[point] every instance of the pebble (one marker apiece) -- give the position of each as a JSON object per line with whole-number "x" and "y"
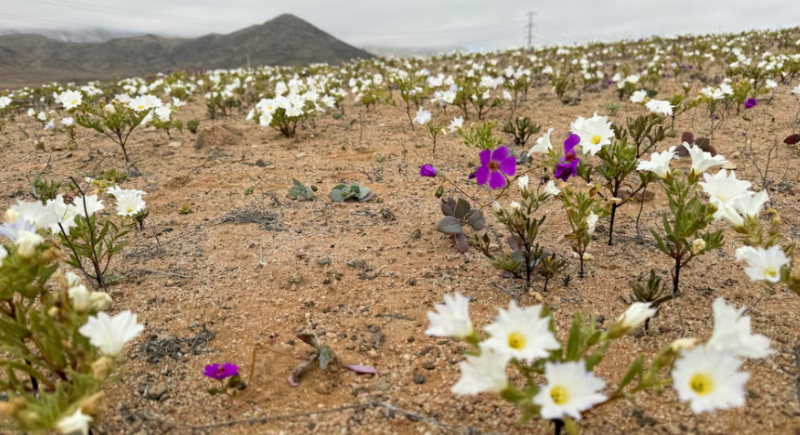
{"x": 419, "y": 379}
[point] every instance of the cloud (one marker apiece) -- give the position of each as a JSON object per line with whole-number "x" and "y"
{"x": 412, "y": 23}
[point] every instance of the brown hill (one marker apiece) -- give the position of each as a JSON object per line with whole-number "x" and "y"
{"x": 27, "y": 59}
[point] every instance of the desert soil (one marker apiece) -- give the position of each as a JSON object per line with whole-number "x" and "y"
{"x": 364, "y": 275}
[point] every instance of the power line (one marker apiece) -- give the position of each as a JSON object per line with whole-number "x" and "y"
{"x": 530, "y": 28}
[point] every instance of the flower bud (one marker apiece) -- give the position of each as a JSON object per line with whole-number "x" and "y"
{"x": 440, "y": 191}
{"x": 497, "y": 207}
{"x": 616, "y": 201}
{"x": 109, "y": 109}
{"x": 683, "y": 344}
{"x": 100, "y": 301}
{"x": 634, "y": 316}
{"x": 102, "y": 368}
{"x": 27, "y": 242}
{"x": 11, "y": 216}
{"x": 698, "y": 245}
{"x": 72, "y": 279}
{"x": 80, "y": 297}
{"x": 52, "y": 255}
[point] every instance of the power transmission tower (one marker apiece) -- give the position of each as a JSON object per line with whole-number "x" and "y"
{"x": 530, "y": 28}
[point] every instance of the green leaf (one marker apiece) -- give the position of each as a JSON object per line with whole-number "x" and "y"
{"x": 574, "y": 340}
{"x": 571, "y": 426}
{"x": 113, "y": 277}
{"x": 635, "y": 370}
{"x": 325, "y": 356}
{"x": 462, "y": 208}
{"x": 450, "y": 225}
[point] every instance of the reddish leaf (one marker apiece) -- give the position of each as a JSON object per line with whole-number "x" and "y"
{"x": 362, "y": 370}
{"x": 792, "y": 139}
{"x": 294, "y": 376}
{"x": 688, "y": 137}
{"x": 461, "y": 242}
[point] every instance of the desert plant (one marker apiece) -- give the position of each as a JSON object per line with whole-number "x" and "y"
{"x": 300, "y": 191}
{"x": 353, "y": 192}
{"x": 522, "y": 129}
{"x": 457, "y": 215}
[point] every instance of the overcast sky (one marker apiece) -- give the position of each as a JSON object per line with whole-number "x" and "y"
{"x": 413, "y": 23}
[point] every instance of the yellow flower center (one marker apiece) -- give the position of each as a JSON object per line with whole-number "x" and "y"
{"x": 559, "y": 394}
{"x": 771, "y": 272}
{"x": 701, "y": 384}
{"x": 74, "y": 102}
{"x": 596, "y": 139}
{"x": 130, "y": 209}
{"x": 141, "y": 107}
{"x": 516, "y": 341}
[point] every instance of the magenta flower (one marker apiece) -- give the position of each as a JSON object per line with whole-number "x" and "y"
{"x": 568, "y": 166}
{"x": 493, "y": 165}
{"x": 750, "y": 103}
{"x": 221, "y": 371}
{"x": 427, "y": 171}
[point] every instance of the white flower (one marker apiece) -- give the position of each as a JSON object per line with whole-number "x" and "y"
{"x": 163, "y": 113}
{"x": 771, "y": 84}
{"x": 451, "y": 319}
{"x": 482, "y": 374}
{"x": 550, "y": 189}
{"x": 91, "y": 205}
{"x": 796, "y": 90}
{"x": 634, "y": 316}
{"x": 423, "y": 116}
{"x": 116, "y": 191}
{"x": 709, "y": 379}
{"x": 109, "y": 334}
{"x": 128, "y": 203}
{"x": 659, "y": 107}
{"x": 744, "y": 252}
{"x": 64, "y": 213}
{"x": 750, "y": 205}
{"x": 71, "y": 99}
{"x": 591, "y": 222}
{"x": 109, "y": 109}
{"x": 79, "y": 295}
{"x": 594, "y": 132}
{"x": 732, "y": 333}
{"x": 455, "y": 124}
{"x": 521, "y": 333}
{"x": 177, "y": 102}
{"x": 638, "y": 97}
{"x": 5, "y": 102}
{"x": 522, "y": 182}
{"x": 72, "y": 279}
{"x": 764, "y": 264}
{"x": 27, "y": 242}
{"x": 66, "y": 122}
{"x": 569, "y": 389}
{"x": 543, "y": 144}
{"x": 658, "y": 163}
{"x": 723, "y": 189}
{"x": 702, "y": 161}
{"x": 78, "y": 422}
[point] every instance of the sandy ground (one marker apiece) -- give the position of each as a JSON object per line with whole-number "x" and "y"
{"x": 359, "y": 275}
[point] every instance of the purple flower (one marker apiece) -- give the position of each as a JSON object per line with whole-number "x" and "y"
{"x": 12, "y": 231}
{"x": 493, "y": 165}
{"x": 568, "y": 166}
{"x": 427, "y": 171}
{"x": 750, "y": 103}
{"x": 221, "y": 371}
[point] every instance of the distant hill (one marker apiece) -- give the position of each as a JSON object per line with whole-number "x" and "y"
{"x": 98, "y": 34}
{"x": 29, "y": 59}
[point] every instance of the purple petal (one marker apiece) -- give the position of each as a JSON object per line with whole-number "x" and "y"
{"x": 571, "y": 141}
{"x": 362, "y": 370}
{"x": 509, "y": 165}
{"x": 486, "y": 157}
{"x": 497, "y": 181}
{"x": 482, "y": 175}
{"x": 500, "y": 154}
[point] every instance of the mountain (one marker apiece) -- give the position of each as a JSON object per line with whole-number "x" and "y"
{"x": 87, "y": 35}
{"x": 29, "y": 59}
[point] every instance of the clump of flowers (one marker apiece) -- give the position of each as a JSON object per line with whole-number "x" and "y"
{"x": 59, "y": 345}
{"x": 524, "y": 340}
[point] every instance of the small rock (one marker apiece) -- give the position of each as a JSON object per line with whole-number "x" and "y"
{"x": 175, "y": 144}
{"x": 350, "y": 345}
{"x": 156, "y": 392}
{"x": 427, "y": 365}
{"x": 416, "y": 234}
{"x": 324, "y": 261}
{"x": 295, "y": 278}
{"x": 419, "y": 379}
{"x": 412, "y": 282}
{"x": 381, "y": 385}
{"x": 261, "y": 163}
{"x": 358, "y": 263}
